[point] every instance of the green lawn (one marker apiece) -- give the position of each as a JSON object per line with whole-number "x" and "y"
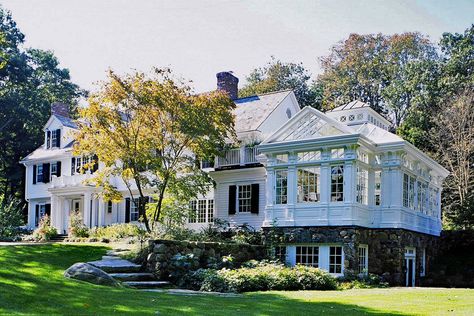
{"x": 31, "y": 282}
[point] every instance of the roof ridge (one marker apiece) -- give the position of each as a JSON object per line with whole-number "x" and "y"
{"x": 266, "y": 93}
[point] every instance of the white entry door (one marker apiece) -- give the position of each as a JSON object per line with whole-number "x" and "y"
{"x": 410, "y": 268}
{"x": 76, "y": 206}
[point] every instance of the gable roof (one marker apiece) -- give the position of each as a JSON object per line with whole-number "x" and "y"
{"x": 42, "y": 153}
{"x": 307, "y": 124}
{"x": 378, "y": 135}
{"x": 65, "y": 121}
{"x": 251, "y": 112}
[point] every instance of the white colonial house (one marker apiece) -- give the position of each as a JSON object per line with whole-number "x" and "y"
{"x": 339, "y": 187}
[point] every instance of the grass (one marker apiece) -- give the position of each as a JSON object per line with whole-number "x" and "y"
{"x": 31, "y": 283}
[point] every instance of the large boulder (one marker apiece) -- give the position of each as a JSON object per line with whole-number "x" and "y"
{"x": 86, "y": 272}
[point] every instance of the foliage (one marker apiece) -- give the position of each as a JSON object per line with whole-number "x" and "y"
{"x": 117, "y": 231}
{"x": 246, "y": 234}
{"x": 76, "y": 226}
{"x": 361, "y": 281}
{"x": 30, "y": 80}
{"x": 390, "y": 73}
{"x": 45, "y": 231}
{"x": 156, "y": 123}
{"x": 453, "y": 140}
{"x": 11, "y": 217}
{"x": 277, "y": 75}
{"x": 262, "y": 277}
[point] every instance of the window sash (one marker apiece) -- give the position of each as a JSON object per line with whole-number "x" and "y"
{"x": 337, "y": 183}
{"x": 362, "y": 185}
{"x": 281, "y": 187}
{"x": 308, "y": 184}
{"x": 134, "y": 210}
{"x": 363, "y": 259}
{"x": 335, "y": 259}
{"x": 244, "y": 200}
{"x": 307, "y": 255}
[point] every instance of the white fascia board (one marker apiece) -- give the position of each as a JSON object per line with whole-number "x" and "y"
{"x": 426, "y": 159}
{"x": 307, "y": 144}
{"x": 29, "y": 162}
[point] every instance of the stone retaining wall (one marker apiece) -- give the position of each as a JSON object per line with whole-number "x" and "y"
{"x": 386, "y": 246}
{"x": 161, "y": 252}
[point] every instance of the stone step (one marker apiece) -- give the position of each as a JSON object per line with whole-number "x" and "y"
{"x": 116, "y": 265}
{"x": 133, "y": 276}
{"x": 147, "y": 284}
{"x": 110, "y": 258}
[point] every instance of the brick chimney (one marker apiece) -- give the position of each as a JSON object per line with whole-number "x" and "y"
{"x": 229, "y": 83}
{"x": 60, "y": 109}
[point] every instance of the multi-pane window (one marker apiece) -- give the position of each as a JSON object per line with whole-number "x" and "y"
{"x": 210, "y": 211}
{"x": 281, "y": 187}
{"x": 41, "y": 213}
{"x": 337, "y": 183}
{"x": 109, "y": 207}
{"x": 363, "y": 259}
{"x": 201, "y": 215}
{"x": 134, "y": 210}
{"x": 362, "y": 156}
{"x": 245, "y": 198}
{"x": 54, "y": 137}
{"x": 408, "y": 191}
{"x": 54, "y": 168}
{"x": 39, "y": 173}
{"x": 307, "y": 255}
{"x": 362, "y": 185}
{"x": 201, "y": 211}
{"x": 378, "y": 187}
{"x": 335, "y": 259}
{"x": 308, "y": 184}
{"x": 192, "y": 213}
{"x": 337, "y": 153}
{"x": 309, "y": 156}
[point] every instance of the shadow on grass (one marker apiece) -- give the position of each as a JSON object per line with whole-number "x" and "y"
{"x": 31, "y": 282}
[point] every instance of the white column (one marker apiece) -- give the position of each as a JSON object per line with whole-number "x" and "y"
{"x": 87, "y": 209}
{"x": 94, "y": 212}
{"x": 55, "y": 208}
{"x": 60, "y": 215}
{"x": 31, "y": 214}
{"x": 349, "y": 181}
{"x": 269, "y": 190}
{"x": 101, "y": 213}
{"x": 325, "y": 184}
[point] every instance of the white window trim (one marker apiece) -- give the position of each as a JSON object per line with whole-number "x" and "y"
{"x": 324, "y": 253}
{"x": 365, "y": 264}
{"x": 209, "y": 209}
{"x": 38, "y": 173}
{"x": 247, "y": 199}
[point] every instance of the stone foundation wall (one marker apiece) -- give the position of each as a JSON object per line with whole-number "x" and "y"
{"x": 386, "y": 246}
{"x": 161, "y": 252}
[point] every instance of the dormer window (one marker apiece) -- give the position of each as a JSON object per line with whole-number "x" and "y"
{"x": 53, "y": 138}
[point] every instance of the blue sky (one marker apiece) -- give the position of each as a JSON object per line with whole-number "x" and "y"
{"x": 197, "y": 39}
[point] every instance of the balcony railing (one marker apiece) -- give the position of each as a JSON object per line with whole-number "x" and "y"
{"x": 237, "y": 157}
{"x": 70, "y": 181}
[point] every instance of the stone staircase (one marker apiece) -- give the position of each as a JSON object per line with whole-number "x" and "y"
{"x": 128, "y": 273}
{"x": 58, "y": 238}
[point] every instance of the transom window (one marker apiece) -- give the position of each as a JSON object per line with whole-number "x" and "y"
{"x": 362, "y": 156}
{"x": 335, "y": 259}
{"x": 307, "y": 255}
{"x": 281, "y": 187}
{"x": 309, "y": 184}
{"x": 362, "y": 185}
{"x": 281, "y": 158}
{"x": 337, "y": 183}
{"x": 309, "y": 156}
{"x": 363, "y": 259}
{"x": 337, "y": 153}
{"x": 245, "y": 198}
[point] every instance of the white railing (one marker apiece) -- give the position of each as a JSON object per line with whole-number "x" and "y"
{"x": 237, "y": 157}
{"x": 69, "y": 181}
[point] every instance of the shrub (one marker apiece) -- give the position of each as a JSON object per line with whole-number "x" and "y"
{"x": 11, "y": 217}
{"x": 76, "y": 226}
{"x": 116, "y": 231}
{"x": 246, "y": 234}
{"x": 45, "y": 231}
{"x": 362, "y": 282}
{"x": 261, "y": 277}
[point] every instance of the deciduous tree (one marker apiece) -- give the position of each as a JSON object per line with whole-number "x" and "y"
{"x": 148, "y": 129}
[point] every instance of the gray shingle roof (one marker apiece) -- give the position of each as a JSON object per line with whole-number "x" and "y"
{"x": 252, "y": 111}
{"x": 66, "y": 121}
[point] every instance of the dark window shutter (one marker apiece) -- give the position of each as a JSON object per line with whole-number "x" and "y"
{"x": 58, "y": 168}
{"x": 46, "y": 171}
{"x": 58, "y": 138}
{"x": 254, "y": 198}
{"x": 127, "y": 210}
{"x": 232, "y": 199}
{"x": 73, "y": 165}
{"x": 34, "y": 174}
{"x": 48, "y": 139}
{"x": 37, "y": 211}
{"x": 95, "y": 166}
{"x": 47, "y": 209}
